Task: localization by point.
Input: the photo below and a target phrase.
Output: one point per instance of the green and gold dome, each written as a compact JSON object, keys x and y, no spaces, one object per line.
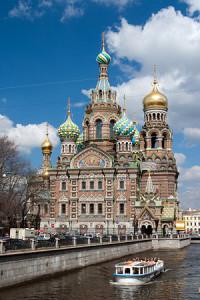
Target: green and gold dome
{"x":68,"y":130}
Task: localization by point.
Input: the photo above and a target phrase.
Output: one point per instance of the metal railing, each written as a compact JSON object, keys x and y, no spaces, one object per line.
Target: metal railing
{"x":11,"y":245}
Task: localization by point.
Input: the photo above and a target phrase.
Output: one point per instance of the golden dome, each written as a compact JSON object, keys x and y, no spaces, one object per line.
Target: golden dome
{"x":47,"y":146}
{"x":155,"y":100}
{"x":45,"y":174}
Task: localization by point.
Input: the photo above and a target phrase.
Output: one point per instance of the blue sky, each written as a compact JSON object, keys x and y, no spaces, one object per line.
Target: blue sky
{"x":48,"y":52}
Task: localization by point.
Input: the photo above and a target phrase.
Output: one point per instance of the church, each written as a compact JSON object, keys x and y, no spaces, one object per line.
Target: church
{"x":111,"y":178}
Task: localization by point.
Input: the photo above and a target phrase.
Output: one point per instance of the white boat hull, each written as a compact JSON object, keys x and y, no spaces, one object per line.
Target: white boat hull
{"x":137,"y":279}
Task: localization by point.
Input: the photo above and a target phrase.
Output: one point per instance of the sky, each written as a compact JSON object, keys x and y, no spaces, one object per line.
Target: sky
{"x":48,"y":52}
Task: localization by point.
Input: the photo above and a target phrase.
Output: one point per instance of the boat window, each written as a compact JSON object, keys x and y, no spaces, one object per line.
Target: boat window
{"x":135,"y":271}
{"x":119,"y":270}
{"x":127,"y":270}
{"x":141,"y":270}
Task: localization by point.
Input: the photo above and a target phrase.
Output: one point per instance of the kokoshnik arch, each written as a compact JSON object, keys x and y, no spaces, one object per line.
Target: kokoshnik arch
{"x":111,"y":178}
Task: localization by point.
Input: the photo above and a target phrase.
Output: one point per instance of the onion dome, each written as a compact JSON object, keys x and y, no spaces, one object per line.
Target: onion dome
{"x":79,"y":140}
{"x":103,"y":57}
{"x":124,"y":127}
{"x":46,"y":145}
{"x":68,"y":130}
{"x":155,"y":99}
{"x":45,"y":174}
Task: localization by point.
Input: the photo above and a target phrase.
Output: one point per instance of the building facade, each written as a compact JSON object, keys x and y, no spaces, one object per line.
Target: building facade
{"x":111,"y":178}
{"x":191,"y":218}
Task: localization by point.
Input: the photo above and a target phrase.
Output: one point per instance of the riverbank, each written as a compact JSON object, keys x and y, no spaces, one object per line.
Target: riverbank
{"x":16,"y":268}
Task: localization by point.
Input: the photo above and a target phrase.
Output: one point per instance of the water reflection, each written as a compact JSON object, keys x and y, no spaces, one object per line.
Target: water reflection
{"x":180,"y":282}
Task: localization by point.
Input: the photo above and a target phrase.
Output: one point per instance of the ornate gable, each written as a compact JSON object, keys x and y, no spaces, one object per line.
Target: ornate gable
{"x":91,"y":158}
{"x":146,"y":214}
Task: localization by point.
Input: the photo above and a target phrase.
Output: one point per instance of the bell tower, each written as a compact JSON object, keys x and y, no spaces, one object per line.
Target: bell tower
{"x":103,"y":112}
{"x":156,"y":142}
{"x":156,"y":136}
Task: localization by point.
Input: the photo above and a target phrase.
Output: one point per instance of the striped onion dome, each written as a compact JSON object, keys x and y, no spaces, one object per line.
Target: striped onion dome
{"x":79,"y":140}
{"x":68,"y":130}
{"x":124,"y":127}
{"x":103,"y":58}
{"x":136,"y":137}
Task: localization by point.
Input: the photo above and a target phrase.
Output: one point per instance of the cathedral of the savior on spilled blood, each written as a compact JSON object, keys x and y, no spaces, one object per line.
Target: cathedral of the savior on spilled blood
{"x":110,"y":178}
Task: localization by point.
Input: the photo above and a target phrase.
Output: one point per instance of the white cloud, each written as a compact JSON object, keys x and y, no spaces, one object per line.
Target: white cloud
{"x":190,"y":197}
{"x":79,"y":104}
{"x":28,"y":9}
{"x":192,"y":134}
{"x":180,"y":158}
{"x":190,"y":174}
{"x":118,"y":3}
{"x":193,"y":6}
{"x":172,"y":41}
{"x":26,"y":137}
{"x":23,"y":9}
{"x":71,"y":11}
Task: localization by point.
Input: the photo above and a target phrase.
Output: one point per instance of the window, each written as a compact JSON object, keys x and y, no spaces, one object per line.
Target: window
{"x":164,"y":141}
{"x":121,"y":184}
{"x":100,"y":185}
{"x":121,"y":208}
{"x":154,"y":141}
{"x":83,"y":208}
{"x":63,"y":209}
{"x":100,"y":208}
{"x":46,"y":209}
{"x":112,"y":123}
{"x":64,"y":186}
{"x":83,"y":185}
{"x":92,"y":185}
{"x":91,"y":208}
{"x":99,"y":125}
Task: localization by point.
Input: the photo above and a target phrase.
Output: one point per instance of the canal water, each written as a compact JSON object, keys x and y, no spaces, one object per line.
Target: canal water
{"x":180,"y":281}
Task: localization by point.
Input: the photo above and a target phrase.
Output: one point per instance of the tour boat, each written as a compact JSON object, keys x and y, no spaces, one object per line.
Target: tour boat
{"x":137,"y":271}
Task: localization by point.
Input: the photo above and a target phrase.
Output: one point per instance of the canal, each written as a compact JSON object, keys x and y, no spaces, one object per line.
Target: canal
{"x":180,"y":281}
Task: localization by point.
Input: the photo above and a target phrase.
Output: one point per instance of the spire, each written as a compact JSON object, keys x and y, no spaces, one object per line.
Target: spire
{"x":103,"y":42}
{"x":149,"y":187}
{"x":68,"y":111}
{"x":155,"y":80}
{"x":124,"y":107}
{"x":47,"y":129}
{"x":46,"y":145}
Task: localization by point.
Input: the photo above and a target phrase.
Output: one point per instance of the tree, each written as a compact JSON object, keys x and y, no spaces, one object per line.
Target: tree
{"x":16,"y":185}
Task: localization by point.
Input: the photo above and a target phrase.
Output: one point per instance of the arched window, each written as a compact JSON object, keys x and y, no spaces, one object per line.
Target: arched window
{"x":100,"y":94}
{"x":164,"y":141}
{"x":112,"y":123}
{"x":87,"y":130}
{"x":99,"y":125}
{"x":70,"y":148}
{"x":154,"y":141}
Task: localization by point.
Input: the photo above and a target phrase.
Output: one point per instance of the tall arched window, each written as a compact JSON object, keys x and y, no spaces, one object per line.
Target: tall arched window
{"x":99,"y":125}
{"x":87,"y":130}
{"x":112,"y":123}
{"x":154,"y":141}
{"x":164,"y":141}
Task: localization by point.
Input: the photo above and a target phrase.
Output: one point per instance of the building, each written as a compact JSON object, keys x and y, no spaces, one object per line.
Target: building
{"x":111,"y":178}
{"x":191,"y":218}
